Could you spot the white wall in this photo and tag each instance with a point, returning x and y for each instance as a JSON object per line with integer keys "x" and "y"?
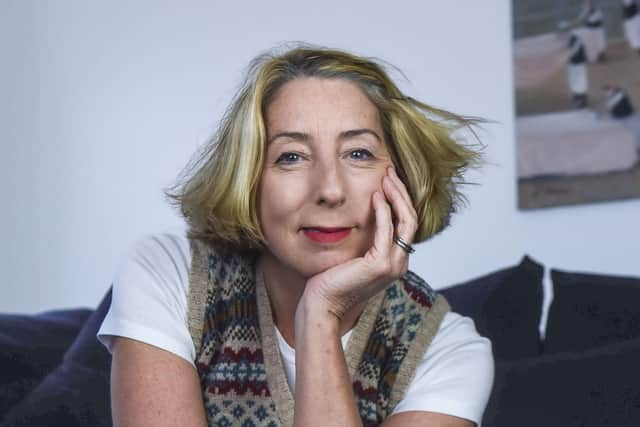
{"x": 107, "y": 101}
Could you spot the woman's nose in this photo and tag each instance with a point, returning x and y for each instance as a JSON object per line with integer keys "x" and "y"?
{"x": 330, "y": 184}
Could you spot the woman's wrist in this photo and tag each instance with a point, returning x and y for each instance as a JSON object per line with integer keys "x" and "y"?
{"x": 323, "y": 386}
{"x": 316, "y": 313}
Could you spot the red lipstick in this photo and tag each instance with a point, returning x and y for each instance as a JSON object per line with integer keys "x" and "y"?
{"x": 326, "y": 235}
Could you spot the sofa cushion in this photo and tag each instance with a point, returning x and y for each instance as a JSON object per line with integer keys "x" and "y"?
{"x": 76, "y": 393}
{"x": 590, "y": 310}
{"x": 30, "y": 347}
{"x": 596, "y": 388}
{"x": 506, "y": 307}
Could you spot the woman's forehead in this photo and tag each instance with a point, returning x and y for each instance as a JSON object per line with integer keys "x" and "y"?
{"x": 309, "y": 104}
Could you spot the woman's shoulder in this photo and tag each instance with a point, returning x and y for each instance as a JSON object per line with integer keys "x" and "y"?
{"x": 160, "y": 260}
{"x": 455, "y": 374}
{"x": 456, "y": 339}
{"x": 457, "y": 330}
{"x": 161, "y": 247}
{"x": 150, "y": 293}
{"x": 156, "y": 267}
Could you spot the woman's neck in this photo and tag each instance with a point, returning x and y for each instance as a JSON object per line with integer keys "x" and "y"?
{"x": 285, "y": 287}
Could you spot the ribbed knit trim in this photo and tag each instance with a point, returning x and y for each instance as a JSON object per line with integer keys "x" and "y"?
{"x": 276, "y": 378}
{"x": 198, "y": 284}
{"x": 428, "y": 329}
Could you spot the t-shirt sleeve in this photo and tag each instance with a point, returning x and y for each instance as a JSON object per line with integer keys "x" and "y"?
{"x": 150, "y": 293}
{"x": 455, "y": 376}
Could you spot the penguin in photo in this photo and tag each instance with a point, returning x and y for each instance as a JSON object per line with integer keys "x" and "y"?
{"x": 618, "y": 102}
{"x": 577, "y": 73}
{"x": 621, "y": 109}
{"x": 631, "y": 23}
{"x": 594, "y": 23}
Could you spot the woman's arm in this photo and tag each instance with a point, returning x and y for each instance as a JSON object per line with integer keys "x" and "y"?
{"x": 323, "y": 387}
{"x": 324, "y": 394}
{"x": 152, "y": 387}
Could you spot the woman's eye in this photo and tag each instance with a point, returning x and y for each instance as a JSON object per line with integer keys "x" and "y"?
{"x": 288, "y": 158}
{"x": 360, "y": 154}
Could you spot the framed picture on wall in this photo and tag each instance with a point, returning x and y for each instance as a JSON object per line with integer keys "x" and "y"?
{"x": 577, "y": 100}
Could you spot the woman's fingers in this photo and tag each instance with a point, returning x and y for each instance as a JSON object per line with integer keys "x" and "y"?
{"x": 360, "y": 278}
{"x": 406, "y": 222}
{"x": 355, "y": 280}
{"x": 384, "y": 225}
{"x": 405, "y": 213}
{"x": 400, "y": 185}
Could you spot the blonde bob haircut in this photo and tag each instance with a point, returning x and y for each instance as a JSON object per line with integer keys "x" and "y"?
{"x": 218, "y": 191}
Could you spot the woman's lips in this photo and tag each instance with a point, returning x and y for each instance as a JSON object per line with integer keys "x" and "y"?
{"x": 326, "y": 235}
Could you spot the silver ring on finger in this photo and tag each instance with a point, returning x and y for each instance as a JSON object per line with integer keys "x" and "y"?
{"x": 404, "y": 245}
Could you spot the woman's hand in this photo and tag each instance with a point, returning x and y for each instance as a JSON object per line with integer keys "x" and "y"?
{"x": 318, "y": 396}
{"x": 342, "y": 287}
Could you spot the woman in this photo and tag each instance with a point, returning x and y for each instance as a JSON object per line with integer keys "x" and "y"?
{"x": 302, "y": 212}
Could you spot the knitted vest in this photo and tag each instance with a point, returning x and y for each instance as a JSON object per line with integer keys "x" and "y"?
{"x": 237, "y": 355}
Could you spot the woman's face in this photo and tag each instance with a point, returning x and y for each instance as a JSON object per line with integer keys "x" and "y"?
{"x": 326, "y": 155}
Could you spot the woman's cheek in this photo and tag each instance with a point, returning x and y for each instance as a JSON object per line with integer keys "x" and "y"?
{"x": 365, "y": 195}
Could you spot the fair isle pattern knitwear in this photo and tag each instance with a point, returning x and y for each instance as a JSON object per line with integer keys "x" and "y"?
{"x": 238, "y": 359}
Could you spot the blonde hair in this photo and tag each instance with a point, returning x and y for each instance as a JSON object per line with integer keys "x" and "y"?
{"x": 218, "y": 190}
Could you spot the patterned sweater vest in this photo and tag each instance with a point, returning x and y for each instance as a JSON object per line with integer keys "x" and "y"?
{"x": 237, "y": 354}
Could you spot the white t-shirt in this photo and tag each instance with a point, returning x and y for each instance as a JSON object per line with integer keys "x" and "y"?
{"x": 149, "y": 304}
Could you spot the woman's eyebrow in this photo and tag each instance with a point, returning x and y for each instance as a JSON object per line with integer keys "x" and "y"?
{"x": 357, "y": 132}
{"x": 303, "y": 137}
{"x": 297, "y": 136}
